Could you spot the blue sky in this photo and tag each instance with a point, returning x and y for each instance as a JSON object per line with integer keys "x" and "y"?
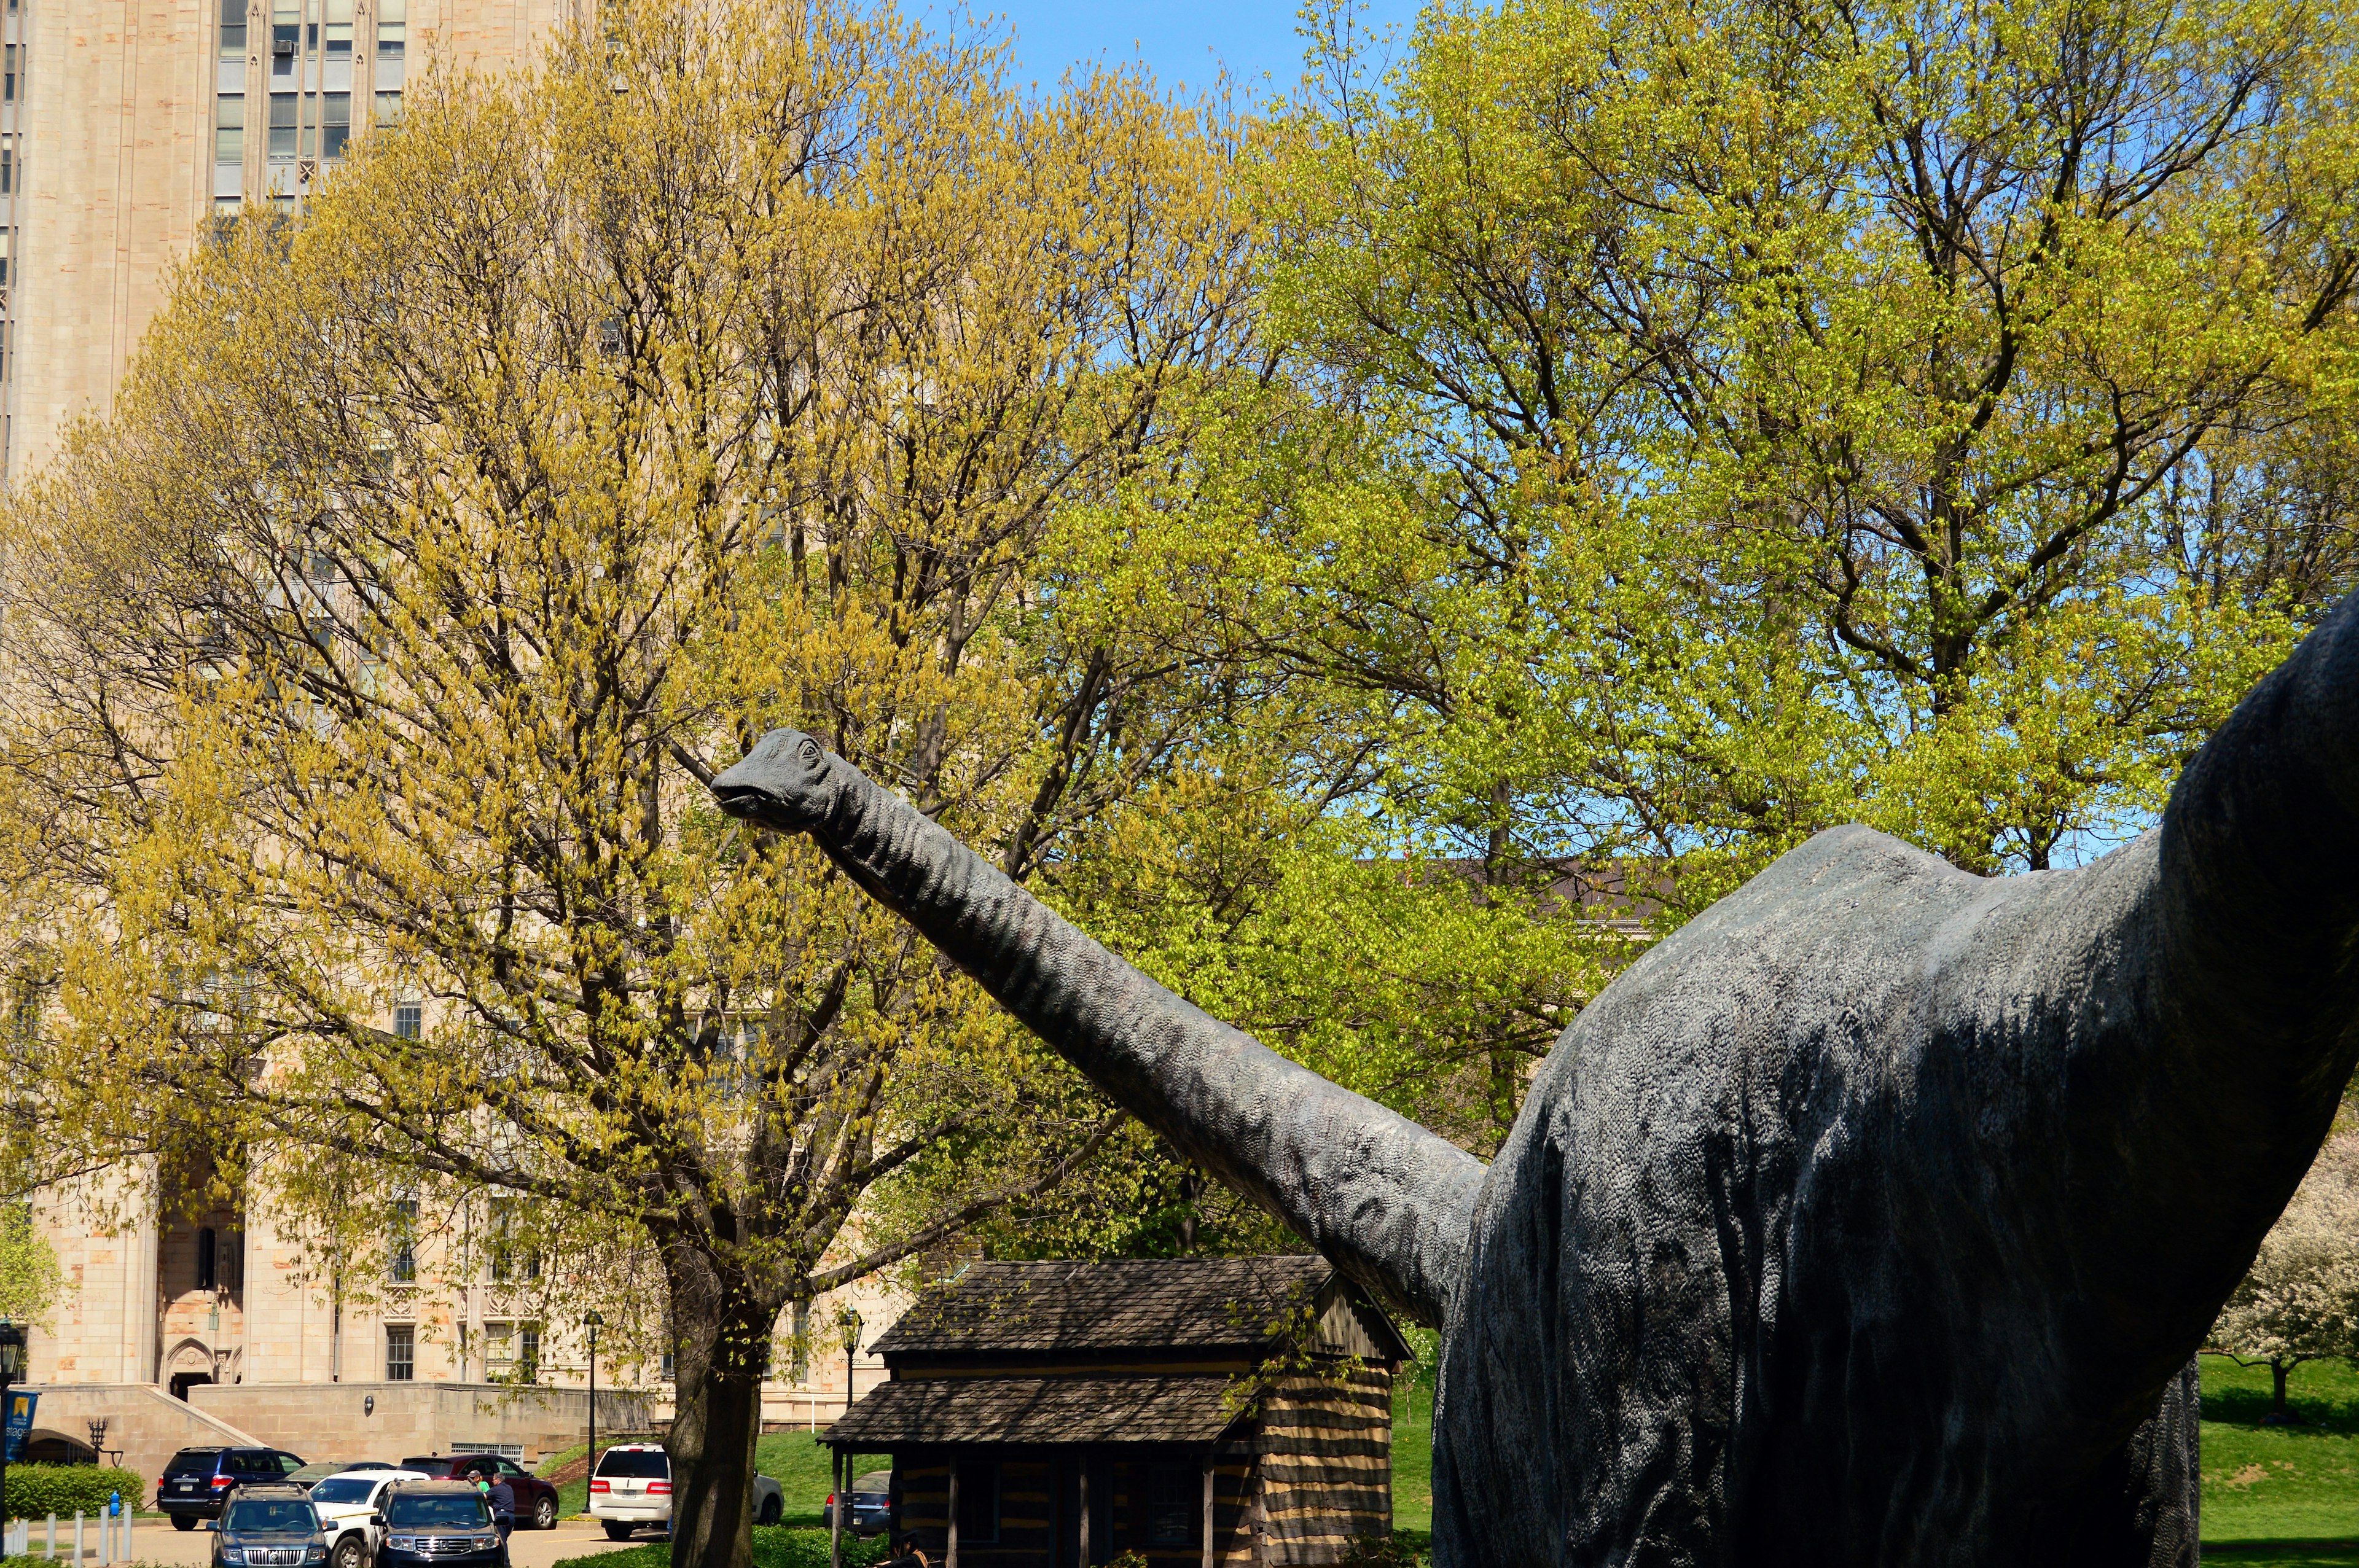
{"x": 1180, "y": 42}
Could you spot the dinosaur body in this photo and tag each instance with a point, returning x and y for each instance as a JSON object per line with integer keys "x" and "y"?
{"x": 1872, "y": 1218}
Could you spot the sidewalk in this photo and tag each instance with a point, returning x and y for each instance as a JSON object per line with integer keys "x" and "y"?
{"x": 155, "y": 1540}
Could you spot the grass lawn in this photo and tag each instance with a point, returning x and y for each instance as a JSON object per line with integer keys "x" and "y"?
{"x": 799, "y": 1463}
{"x": 2293, "y": 1483}
{"x": 1413, "y": 1449}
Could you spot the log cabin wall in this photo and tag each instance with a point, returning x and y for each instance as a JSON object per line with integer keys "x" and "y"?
{"x": 1326, "y": 1472}
{"x": 1222, "y": 1411}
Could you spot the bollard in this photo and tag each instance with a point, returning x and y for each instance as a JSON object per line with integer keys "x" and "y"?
{"x": 127, "y": 1555}
{"x": 77, "y": 1538}
{"x": 53, "y": 1537}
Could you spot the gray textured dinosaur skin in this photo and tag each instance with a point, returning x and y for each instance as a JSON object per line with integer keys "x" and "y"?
{"x": 1872, "y": 1218}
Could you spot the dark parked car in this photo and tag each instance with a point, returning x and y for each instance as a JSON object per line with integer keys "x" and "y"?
{"x": 536, "y": 1500}
{"x": 872, "y": 1505}
{"x": 197, "y": 1481}
{"x": 269, "y": 1526}
{"x": 440, "y": 1524}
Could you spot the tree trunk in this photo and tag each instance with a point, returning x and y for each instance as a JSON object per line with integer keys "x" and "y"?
{"x": 722, "y": 1329}
{"x": 2278, "y": 1414}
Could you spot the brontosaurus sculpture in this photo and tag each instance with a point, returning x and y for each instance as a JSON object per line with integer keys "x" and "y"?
{"x": 1872, "y": 1218}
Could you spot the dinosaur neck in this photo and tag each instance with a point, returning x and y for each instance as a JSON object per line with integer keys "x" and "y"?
{"x": 1389, "y": 1202}
{"x": 2256, "y": 902}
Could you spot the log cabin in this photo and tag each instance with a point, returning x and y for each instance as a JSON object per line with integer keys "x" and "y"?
{"x": 1233, "y": 1412}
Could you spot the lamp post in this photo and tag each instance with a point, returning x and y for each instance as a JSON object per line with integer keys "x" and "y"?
{"x": 12, "y": 1367}
{"x": 98, "y": 1441}
{"x": 848, "y": 1321}
{"x": 594, "y": 1323}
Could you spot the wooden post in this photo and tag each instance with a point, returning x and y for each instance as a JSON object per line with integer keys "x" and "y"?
{"x": 950, "y": 1551}
{"x": 1083, "y": 1513}
{"x": 835, "y": 1513}
{"x": 1208, "y": 1509}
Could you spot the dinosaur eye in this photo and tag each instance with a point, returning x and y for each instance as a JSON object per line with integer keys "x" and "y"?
{"x": 808, "y": 753}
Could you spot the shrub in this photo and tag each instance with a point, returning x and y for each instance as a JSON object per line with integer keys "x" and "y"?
{"x": 1399, "y": 1549}
{"x": 773, "y": 1548}
{"x": 35, "y": 1491}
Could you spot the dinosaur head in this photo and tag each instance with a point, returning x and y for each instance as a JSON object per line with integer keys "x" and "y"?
{"x": 783, "y": 782}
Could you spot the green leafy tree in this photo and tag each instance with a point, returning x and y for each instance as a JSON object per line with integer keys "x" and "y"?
{"x": 1776, "y": 414}
{"x": 369, "y": 662}
{"x": 31, "y": 1279}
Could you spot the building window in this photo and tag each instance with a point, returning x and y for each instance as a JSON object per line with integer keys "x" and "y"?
{"x": 799, "y": 1342}
{"x": 404, "y": 1246}
{"x": 229, "y": 132}
{"x": 208, "y": 1259}
{"x": 528, "y": 1352}
{"x": 509, "y": 1258}
{"x": 408, "y": 1020}
{"x": 1171, "y": 1506}
{"x": 286, "y": 40}
{"x": 11, "y": 85}
{"x": 388, "y": 111}
{"x": 336, "y": 127}
{"x": 282, "y": 127}
{"x": 400, "y": 1352}
{"x": 339, "y": 30}
{"x": 978, "y": 1504}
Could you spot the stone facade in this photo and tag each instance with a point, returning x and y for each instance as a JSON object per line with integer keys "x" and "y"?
{"x": 113, "y": 145}
{"x": 390, "y": 1420}
{"x": 189, "y": 1321}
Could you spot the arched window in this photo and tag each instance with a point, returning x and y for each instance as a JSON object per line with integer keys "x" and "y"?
{"x": 208, "y": 1259}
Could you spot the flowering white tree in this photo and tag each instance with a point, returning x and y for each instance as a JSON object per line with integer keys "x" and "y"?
{"x": 2299, "y": 1301}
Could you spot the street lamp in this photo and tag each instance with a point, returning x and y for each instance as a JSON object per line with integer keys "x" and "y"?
{"x": 98, "y": 1441}
{"x": 848, "y": 1321}
{"x": 594, "y": 1323}
{"x": 12, "y": 1367}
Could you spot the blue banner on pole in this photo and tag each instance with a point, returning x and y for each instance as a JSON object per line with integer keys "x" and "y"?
{"x": 19, "y": 1425}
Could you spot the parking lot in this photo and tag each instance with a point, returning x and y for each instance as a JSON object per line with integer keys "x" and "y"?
{"x": 155, "y": 1540}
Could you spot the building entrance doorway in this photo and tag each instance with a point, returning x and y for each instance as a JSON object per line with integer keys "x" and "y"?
{"x": 183, "y": 1381}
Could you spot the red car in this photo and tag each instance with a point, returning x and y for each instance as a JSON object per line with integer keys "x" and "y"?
{"x": 536, "y": 1500}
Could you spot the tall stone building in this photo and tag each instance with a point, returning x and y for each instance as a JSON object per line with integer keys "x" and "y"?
{"x": 186, "y": 1321}
{"x": 128, "y": 125}
{"x": 126, "y": 128}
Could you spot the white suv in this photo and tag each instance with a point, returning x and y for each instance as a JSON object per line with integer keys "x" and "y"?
{"x": 347, "y": 1504}
{"x": 632, "y": 1486}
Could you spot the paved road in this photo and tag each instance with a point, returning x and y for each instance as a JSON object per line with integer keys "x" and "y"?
{"x": 155, "y": 1540}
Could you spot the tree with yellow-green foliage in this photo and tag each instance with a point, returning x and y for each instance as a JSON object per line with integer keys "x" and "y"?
{"x": 1782, "y": 412}
{"x": 30, "y": 1279}
{"x": 730, "y": 372}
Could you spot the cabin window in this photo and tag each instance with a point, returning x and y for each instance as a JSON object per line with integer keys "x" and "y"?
{"x": 978, "y": 1503}
{"x": 1171, "y": 1506}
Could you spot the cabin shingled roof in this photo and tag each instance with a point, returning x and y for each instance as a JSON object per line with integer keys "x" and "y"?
{"x": 1132, "y": 1304}
{"x": 1037, "y": 1411}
